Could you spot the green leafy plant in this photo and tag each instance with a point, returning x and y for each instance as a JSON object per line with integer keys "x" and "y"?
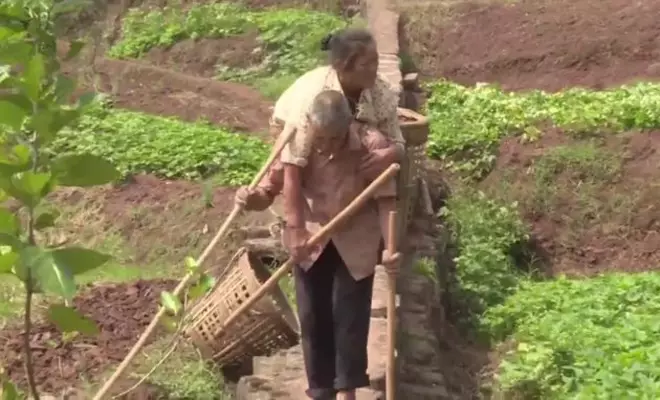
{"x": 468, "y": 123}
{"x": 581, "y": 339}
{"x": 288, "y": 38}
{"x": 34, "y": 109}
{"x": 485, "y": 232}
{"x": 169, "y": 148}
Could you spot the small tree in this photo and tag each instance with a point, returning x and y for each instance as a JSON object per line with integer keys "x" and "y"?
{"x": 35, "y": 105}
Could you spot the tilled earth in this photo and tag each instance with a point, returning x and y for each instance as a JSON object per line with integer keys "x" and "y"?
{"x": 121, "y": 312}
{"x": 542, "y": 44}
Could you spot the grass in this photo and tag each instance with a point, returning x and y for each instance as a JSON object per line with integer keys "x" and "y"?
{"x": 184, "y": 375}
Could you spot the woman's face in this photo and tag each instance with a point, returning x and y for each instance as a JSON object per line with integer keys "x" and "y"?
{"x": 329, "y": 141}
{"x": 364, "y": 70}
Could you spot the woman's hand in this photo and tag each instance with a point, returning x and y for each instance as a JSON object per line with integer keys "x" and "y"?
{"x": 295, "y": 240}
{"x": 377, "y": 161}
{"x": 391, "y": 262}
{"x": 252, "y": 199}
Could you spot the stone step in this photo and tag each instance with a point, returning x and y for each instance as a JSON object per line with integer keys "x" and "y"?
{"x": 282, "y": 375}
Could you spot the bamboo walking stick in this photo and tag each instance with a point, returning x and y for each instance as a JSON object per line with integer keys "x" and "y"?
{"x": 284, "y": 138}
{"x": 340, "y": 218}
{"x": 390, "y": 391}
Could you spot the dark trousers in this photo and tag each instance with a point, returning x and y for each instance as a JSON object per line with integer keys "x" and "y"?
{"x": 334, "y": 311}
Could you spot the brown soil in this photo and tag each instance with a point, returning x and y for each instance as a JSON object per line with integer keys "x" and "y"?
{"x": 121, "y": 312}
{"x": 588, "y": 227}
{"x": 161, "y": 221}
{"x": 142, "y": 87}
{"x": 542, "y": 44}
{"x": 202, "y": 57}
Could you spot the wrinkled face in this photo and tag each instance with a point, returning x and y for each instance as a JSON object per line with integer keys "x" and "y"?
{"x": 362, "y": 74}
{"x": 329, "y": 141}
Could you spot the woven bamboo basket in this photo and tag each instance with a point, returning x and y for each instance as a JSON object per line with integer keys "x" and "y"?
{"x": 269, "y": 326}
{"x": 415, "y": 130}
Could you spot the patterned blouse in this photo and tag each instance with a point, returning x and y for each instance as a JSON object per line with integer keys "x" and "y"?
{"x": 377, "y": 107}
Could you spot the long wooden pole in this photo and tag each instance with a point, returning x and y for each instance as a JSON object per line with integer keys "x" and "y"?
{"x": 284, "y": 138}
{"x": 390, "y": 377}
{"x": 339, "y": 219}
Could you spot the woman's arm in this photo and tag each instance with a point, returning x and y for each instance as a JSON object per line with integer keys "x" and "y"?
{"x": 294, "y": 201}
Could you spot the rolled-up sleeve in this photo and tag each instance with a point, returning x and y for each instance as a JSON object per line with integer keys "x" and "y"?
{"x": 374, "y": 140}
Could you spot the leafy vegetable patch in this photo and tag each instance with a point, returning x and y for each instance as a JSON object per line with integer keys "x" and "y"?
{"x": 289, "y": 37}
{"x": 468, "y": 123}
{"x": 581, "y": 339}
{"x": 486, "y": 232}
{"x": 140, "y": 143}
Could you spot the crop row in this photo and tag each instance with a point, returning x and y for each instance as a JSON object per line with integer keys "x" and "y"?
{"x": 467, "y": 124}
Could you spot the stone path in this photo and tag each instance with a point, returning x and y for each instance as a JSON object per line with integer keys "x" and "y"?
{"x": 282, "y": 375}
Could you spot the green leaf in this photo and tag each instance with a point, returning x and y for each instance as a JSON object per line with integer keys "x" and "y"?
{"x": 46, "y": 219}
{"x": 15, "y": 52}
{"x": 52, "y": 277}
{"x": 170, "y": 323}
{"x": 64, "y": 86}
{"x": 62, "y": 118}
{"x": 28, "y": 186}
{"x": 9, "y": 222}
{"x": 9, "y": 391}
{"x": 34, "y": 75}
{"x": 191, "y": 265}
{"x": 74, "y": 49}
{"x": 78, "y": 260}
{"x": 202, "y": 287}
{"x": 87, "y": 100}
{"x": 7, "y": 262}
{"x": 22, "y": 154}
{"x": 12, "y": 112}
{"x": 67, "y": 319}
{"x": 84, "y": 170}
{"x": 171, "y": 302}
{"x": 42, "y": 123}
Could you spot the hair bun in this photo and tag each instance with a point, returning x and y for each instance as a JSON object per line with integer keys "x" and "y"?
{"x": 326, "y": 41}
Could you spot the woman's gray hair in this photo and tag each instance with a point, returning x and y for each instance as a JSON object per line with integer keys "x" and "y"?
{"x": 330, "y": 112}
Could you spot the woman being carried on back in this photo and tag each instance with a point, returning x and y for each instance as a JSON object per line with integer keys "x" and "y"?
{"x": 339, "y": 112}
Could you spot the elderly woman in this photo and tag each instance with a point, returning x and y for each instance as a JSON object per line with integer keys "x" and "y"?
{"x": 334, "y": 281}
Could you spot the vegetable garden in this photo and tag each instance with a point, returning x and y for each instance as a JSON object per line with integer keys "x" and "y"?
{"x": 553, "y": 214}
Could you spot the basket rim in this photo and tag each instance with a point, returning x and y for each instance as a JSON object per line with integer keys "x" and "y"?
{"x": 418, "y": 119}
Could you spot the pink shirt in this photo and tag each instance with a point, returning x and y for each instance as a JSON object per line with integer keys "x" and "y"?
{"x": 330, "y": 183}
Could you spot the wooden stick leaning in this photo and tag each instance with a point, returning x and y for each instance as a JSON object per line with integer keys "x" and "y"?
{"x": 390, "y": 391}
{"x": 340, "y": 218}
{"x": 284, "y": 138}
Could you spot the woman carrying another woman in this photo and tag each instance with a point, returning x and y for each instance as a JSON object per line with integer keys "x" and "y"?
{"x": 347, "y": 133}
